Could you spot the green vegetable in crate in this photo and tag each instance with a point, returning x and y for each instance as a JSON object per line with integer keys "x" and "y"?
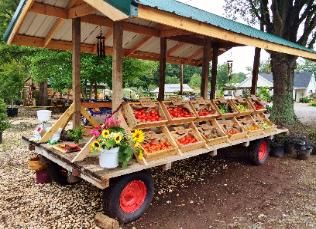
{"x": 224, "y": 108}
{"x": 265, "y": 125}
{"x": 241, "y": 107}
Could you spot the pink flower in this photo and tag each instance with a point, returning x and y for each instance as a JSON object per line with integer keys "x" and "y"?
{"x": 95, "y": 132}
{"x": 111, "y": 122}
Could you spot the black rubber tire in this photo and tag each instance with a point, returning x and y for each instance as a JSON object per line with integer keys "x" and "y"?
{"x": 111, "y": 196}
{"x": 59, "y": 174}
{"x": 254, "y": 151}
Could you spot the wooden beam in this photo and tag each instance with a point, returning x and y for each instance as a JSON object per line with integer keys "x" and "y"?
{"x": 72, "y": 3}
{"x": 107, "y": 9}
{"x": 214, "y": 72}
{"x": 173, "y": 33}
{"x": 138, "y": 45}
{"x": 80, "y": 11}
{"x": 76, "y": 37}
{"x": 175, "y": 48}
{"x": 181, "y": 78}
{"x": 205, "y": 69}
{"x": 196, "y": 54}
{"x": 162, "y": 68}
{"x": 17, "y": 26}
{"x": 117, "y": 66}
{"x": 90, "y": 48}
{"x": 54, "y": 11}
{"x": 58, "y": 23}
{"x": 208, "y": 30}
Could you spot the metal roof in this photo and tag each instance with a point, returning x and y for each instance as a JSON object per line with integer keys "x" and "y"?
{"x": 184, "y": 10}
{"x": 173, "y": 88}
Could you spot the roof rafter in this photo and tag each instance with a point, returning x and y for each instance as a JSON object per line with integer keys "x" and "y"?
{"x": 138, "y": 45}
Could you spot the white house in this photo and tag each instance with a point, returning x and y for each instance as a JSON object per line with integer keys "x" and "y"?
{"x": 174, "y": 88}
{"x": 304, "y": 84}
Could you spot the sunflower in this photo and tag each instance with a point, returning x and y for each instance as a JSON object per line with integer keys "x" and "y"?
{"x": 118, "y": 138}
{"x": 94, "y": 146}
{"x": 138, "y": 136}
{"x": 105, "y": 133}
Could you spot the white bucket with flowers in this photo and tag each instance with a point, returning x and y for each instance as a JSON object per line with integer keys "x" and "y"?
{"x": 114, "y": 145}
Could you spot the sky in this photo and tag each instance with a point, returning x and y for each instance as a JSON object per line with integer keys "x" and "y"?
{"x": 242, "y": 56}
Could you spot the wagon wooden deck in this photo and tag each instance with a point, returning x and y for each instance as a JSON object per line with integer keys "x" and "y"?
{"x": 90, "y": 170}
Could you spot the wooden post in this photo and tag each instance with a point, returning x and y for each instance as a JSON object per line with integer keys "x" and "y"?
{"x": 205, "y": 69}
{"x": 76, "y": 38}
{"x": 214, "y": 72}
{"x": 162, "y": 68}
{"x": 255, "y": 71}
{"x": 117, "y": 66}
{"x": 181, "y": 78}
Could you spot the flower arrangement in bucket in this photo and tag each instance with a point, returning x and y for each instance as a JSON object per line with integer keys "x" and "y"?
{"x": 115, "y": 146}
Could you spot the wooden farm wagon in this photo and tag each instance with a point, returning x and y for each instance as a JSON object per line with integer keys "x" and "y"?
{"x": 164, "y": 31}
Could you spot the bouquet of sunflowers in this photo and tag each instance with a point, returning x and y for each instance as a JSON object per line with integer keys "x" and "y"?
{"x": 110, "y": 135}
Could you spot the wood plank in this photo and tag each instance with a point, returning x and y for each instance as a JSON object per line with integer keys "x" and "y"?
{"x": 91, "y": 120}
{"x": 181, "y": 78}
{"x": 205, "y": 69}
{"x": 138, "y": 45}
{"x": 196, "y": 54}
{"x": 49, "y": 10}
{"x": 208, "y": 30}
{"x": 175, "y": 48}
{"x": 84, "y": 153}
{"x": 76, "y": 37}
{"x": 117, "y": 66}
{"x": 162, "y": 68}
{"x": 214, "y": 72}
{"x": 106, "y": 9}
{"x": 80, "y": 11}
{"x": 173, "y": 32}
{"x": 61, "y": 123}
{"x": 17, "y": 26}
{"x": 54, "y": 29}
{"x": 90, "y": 48}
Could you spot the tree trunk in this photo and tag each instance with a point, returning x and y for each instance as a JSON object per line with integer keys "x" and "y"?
{"x": 43, "y": 94}
{"x": 283, "y": 66}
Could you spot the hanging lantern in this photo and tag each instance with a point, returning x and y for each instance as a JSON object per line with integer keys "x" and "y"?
{"x": 101, "y": 45}
{"x": 230, "y": 68}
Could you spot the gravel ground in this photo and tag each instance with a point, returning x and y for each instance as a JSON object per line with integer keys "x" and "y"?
{"x": 202, "y": 192}
{"x": 305, "y": 113}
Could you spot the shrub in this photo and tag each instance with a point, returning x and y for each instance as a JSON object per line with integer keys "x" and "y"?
{"x": 4, "y": 123}
{"x": 305, "y": 100}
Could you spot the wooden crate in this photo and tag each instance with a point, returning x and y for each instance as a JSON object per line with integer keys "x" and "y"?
{"x": 228, "y": 122}
{"x": 260, "y": 119}
{"x": 213, "y": 125}
{"x": 244, "y": 102}
{"x": 254, "y": 99}
{"x": 189, "y": 128}
{"x": 251, "y": 121}
{"x": 175, "y": 103}
{"x": 217, "y": 105}
{"x": 133, "y": 123}
{"x": 207, "y": 104}
{"x": 161, "y": 153}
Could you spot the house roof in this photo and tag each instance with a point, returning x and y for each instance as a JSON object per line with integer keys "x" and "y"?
{"x": 173, "y": 88}
{"x": 47, "y": 23}
{"x": 301, "y": 79}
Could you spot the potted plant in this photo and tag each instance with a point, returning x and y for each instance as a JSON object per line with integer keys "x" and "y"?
{"x": 75, "y": 134}
{"x": 4, "y": 123}
{"x": 114, "y": 145}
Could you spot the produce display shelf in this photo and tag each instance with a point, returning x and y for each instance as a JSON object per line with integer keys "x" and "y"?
{"x": 90, "y": 170}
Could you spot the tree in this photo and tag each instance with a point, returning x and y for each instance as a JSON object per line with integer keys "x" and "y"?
{"x": 265, "y": 67}
{"x": 284, "y": 19}
{"x": 307, "y": 66}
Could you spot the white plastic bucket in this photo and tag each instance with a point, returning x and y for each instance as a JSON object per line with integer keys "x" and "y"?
{"x": 44, "y": 115}
{"x": 108, "y": 159}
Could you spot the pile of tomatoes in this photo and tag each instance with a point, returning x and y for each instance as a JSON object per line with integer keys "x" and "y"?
{"x": 188, "y": 139}
{"x": 205, "y": 112}
{"x": 179, "y": 112}
{"x": 147, "y": 115}
{"x": 258, "y": 106}
{"x": 232, "y": 131}
{"x": 155, "y": 145}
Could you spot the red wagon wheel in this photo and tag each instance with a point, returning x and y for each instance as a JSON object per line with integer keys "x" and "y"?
{"x": 259, "y": 151}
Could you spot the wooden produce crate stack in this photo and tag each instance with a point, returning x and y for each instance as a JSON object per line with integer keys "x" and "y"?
{"x": 232, "y": 128}
{"x": 158, "y": 143}
{"x": 178, "y": 111}
{"x": 144, "y": 114}
{"x": 211, "y": 132}
{"x": 204, "y": 109}
{"x": 264, "y": 123}
{"x": 250, "y": 125}
{"x": 257, "y": 104}
{"x": 225, "y": 108}
{"x": 243, "y": 106}
{"x": 187, "y": 137}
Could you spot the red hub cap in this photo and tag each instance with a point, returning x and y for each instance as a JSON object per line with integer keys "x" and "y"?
{"x": 133, "y": 196}
{"x": 263, "y": 151}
